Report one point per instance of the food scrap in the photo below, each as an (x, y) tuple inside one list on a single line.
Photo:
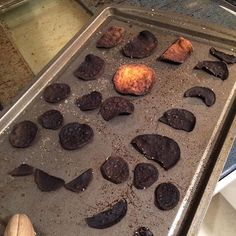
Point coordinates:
[(229, 59), (51, 119), (22, 170)]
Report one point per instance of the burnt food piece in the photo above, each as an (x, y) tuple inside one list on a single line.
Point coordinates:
[(22, 170), (229, 59), (143, 231), (1, 106)]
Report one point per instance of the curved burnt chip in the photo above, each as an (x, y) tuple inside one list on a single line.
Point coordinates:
[(229, 59), (46, 182), (74, 135), (166, 196), (51, 119), (205, 94), (108, 217), (80, 183), (115, 106), (22, 170), (143, 231), (145, 175), (217, 68), (23, 134), (142, 46), (111, 38), (91, 68), (89, 101), (56, 92), (115, 169), (160, 149), (179, 119)]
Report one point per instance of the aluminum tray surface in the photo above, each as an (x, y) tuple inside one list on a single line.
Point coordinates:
[(62, 212)]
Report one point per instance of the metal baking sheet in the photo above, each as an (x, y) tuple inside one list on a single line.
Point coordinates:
[(6, 5), (63, 212)]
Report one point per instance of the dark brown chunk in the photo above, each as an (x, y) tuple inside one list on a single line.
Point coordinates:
[(46, 182), (111, 38), (160, 149), (89, 101), (141, 46), (91, 68), (143, 231), (145, 175), (74, 135), (56, 92), (217, 68), (23, 134), (80, 183), (205, 94), (51, 119), (179, 119), (1, 106), (115, 106), (108, 217), (22, 170), (229, 59), (166, 196), (115, 169)]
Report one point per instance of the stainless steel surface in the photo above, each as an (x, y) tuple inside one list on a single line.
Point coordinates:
[(6, 5), (63, 212)]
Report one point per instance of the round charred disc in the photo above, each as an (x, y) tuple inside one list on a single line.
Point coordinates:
[(229, 59), (166, 196), (145, 175), (46, 182), (179, 119), (141, 46), (206, 94), (115, 169), (115, 106), (108, 217), (74, 135), (160, 149), (143, 231), (91, 68), (56, 92), (51, 119), (23, 134), (22, 170), (89, 101)]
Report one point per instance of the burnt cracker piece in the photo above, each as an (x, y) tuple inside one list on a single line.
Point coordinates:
[(145, 175), (80, 183), (108, 217), (160, 149), (143, 231), (115, 106), (205, 94), (115, 169), (74, 135), (23, 134), (229, 59), (91, 68), (22, 170), (142, 46), (179, 119), (46, 182), (166, 196), (217, 68), (111, 38), (51, 119)]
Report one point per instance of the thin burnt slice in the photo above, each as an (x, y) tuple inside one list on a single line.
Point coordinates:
[(46, 182), (80, 183), (160, 149), (204, 93), (115, 106), (51, 119), (22, 170), (142, 46), (108, 217), (180, 119), (217, 68), (229, 59), (91, 68), (143, 231), (1, 106)]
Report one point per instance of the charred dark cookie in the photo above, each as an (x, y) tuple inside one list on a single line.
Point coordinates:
[(52, 119), (111, 38), (89, 101), (108, 217), (160, 149), (142, 46), (115, 106), (217, 68), (91, 68), (23, 134), (80, 183), (143, 231), (179, 119), (74, 135), (22, 170), (205, 94), (229, 59), (166, 196)]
